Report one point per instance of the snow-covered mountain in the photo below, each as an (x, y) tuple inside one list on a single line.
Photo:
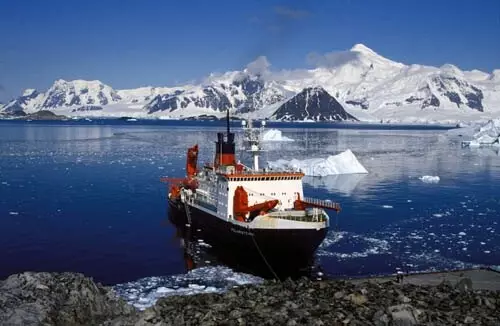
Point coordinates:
[(65, 94), (358, 83)]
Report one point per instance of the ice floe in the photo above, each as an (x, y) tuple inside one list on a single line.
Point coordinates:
[(145, 292), (487, 135), (344, 183), (343, 163), (274, 135), (429, 179)]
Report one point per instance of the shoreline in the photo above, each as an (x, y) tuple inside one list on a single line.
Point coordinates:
[(368, 125), (465, 297)]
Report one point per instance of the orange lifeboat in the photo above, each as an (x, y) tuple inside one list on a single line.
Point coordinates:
[(241, 208)]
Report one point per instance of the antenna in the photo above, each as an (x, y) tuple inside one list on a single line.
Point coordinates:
[(228, 130)]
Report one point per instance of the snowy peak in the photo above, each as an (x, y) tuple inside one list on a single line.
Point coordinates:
[(371, 86), (30, 99), (457, 91), (79, 92), (29, 92), (143, 94), (65, 94), (361, 48), (312, 104), (239, 91)]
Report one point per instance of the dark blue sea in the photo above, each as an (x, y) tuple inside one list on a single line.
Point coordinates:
[(86, 196)]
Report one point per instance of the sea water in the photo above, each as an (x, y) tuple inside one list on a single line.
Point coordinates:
[(86, 197)]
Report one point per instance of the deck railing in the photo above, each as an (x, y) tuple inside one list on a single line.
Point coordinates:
[(314, 216)]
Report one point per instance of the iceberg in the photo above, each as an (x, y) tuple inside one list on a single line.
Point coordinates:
[(274, 135), (487, 135), (344, 183), (343, 163)]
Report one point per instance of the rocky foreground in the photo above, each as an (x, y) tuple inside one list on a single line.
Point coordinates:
[(73, 299)]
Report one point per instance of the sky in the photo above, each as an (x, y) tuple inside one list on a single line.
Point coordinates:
[(128, 44)]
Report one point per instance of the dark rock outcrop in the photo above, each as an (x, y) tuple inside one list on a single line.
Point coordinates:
[(71, 299), (449, 85), (86, 108), (39, 115), (57, 299), (210, 98), (304, 302), (312, 103), (361, 103)]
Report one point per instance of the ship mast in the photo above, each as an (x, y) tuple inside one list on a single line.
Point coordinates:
[(252, 138)]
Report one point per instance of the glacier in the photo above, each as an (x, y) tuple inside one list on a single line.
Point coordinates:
[(356, 84), (343, 163)]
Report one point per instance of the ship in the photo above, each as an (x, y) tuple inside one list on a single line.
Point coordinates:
[(256, 214)]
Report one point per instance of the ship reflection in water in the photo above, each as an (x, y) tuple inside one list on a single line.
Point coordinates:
[(198, 253)]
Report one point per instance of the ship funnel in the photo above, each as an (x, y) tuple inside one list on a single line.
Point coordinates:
[(225, 148)]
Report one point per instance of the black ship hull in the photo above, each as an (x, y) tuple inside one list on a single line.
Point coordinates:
[(267, 252)]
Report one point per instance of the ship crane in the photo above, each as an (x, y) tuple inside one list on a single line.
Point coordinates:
[(301, 204), (252, 139)]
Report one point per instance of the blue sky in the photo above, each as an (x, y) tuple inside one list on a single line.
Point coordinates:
[(128, 44)]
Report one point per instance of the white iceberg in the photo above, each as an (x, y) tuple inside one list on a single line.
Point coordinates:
[(487, 135), (274, 135), (429, 179), (343, 163), (344, 183)]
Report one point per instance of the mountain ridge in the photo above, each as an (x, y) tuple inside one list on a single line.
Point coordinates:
[(368, 86)]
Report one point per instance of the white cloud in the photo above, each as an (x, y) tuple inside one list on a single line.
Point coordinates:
[(290, 12), (259, 66), (331, 59)]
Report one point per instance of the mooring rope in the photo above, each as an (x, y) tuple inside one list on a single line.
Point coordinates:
[(265, 260)]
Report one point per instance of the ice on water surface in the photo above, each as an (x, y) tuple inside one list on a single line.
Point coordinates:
[(429, 179), (274, 135), (145, 292), (487, 134), (343, 163)]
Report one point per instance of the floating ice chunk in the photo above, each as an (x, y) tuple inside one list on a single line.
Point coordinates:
[(274, 135), (163, 289), (437, 215), (145, 292), (461, 234), (387, 206), (343, 163), (196, 286), (487, 135), (429, 179), (14, 213)]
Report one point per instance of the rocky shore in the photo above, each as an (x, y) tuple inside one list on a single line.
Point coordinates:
[(73, 299)]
